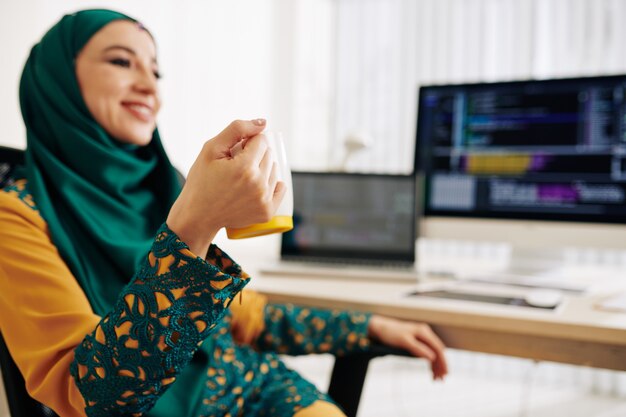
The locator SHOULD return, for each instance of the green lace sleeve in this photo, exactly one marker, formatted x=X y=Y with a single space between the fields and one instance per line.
x=296 y=330
x=161 y=317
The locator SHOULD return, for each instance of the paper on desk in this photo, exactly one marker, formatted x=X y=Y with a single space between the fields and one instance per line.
x=614 y=303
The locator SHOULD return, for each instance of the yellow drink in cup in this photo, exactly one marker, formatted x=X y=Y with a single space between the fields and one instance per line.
x=283 y=218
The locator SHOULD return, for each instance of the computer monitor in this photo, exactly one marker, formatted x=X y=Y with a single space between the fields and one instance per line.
x=538 y=163
x=353 y=218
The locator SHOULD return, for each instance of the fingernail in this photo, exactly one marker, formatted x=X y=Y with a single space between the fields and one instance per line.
x=259 y=122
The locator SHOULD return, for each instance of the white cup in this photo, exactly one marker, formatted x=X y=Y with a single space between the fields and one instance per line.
x=282 y=221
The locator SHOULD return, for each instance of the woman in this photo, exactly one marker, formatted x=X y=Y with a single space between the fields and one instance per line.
x=113 y=301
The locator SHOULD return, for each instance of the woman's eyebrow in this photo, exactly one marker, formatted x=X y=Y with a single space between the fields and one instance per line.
x=127 y=49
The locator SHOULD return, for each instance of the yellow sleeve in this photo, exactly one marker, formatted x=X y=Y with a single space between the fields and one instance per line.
x=44 y=313
x=248 y=317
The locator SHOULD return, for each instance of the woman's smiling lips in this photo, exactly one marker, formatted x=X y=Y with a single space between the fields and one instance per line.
x=140 y=110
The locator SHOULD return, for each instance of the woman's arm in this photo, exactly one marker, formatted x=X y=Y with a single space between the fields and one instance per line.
x=176 y=298
x=293 y=330
x=298 y=330
x=44 y=314
x=128 y=357
x=161 y=317
x=133 y=353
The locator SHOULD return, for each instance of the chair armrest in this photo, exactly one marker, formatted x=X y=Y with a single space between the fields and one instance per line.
x=348 y=376
x=9 y=159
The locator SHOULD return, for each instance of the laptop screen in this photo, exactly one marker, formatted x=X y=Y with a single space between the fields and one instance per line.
x=349 y=216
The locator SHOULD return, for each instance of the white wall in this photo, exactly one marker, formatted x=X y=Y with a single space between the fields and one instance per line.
x=216 y=58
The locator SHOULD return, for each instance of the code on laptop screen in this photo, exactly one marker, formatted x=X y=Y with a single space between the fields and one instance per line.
x=347 y=215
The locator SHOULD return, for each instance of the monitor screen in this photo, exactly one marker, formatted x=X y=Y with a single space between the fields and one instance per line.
x=543 y=149
x=352 y=216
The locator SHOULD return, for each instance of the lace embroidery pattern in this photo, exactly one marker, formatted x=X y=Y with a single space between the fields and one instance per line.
x=297 y=330
x=161 y=317
x=19 y=189
x=242 y=381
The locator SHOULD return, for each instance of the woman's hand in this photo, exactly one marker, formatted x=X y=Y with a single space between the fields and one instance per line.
x=416 y=338
x=225 y=189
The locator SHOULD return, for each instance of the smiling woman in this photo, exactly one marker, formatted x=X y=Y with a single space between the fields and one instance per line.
x=117 y=73
x=126 y=307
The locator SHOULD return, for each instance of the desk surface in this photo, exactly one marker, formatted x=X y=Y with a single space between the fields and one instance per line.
x=576 y=332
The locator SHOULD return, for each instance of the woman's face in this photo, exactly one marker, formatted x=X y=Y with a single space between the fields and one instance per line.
x=117 y=74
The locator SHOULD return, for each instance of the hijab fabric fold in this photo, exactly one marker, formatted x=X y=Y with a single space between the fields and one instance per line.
x=102 y=200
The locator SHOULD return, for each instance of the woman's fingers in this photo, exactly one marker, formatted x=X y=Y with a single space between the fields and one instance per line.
x=238 y=130
x=268 y=168
x=254 y=150
x=416 y=338
x=266 y=165
x=232 y=140
x=273 y=177
x=427 y=336
x=439 y=368
x=422 y=350
x=236 y=149
x=279 y=193
x=436 y=357
x=431 y=337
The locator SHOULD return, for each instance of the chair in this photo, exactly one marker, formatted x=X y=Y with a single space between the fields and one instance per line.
x=348 y=376
x=346 y=383
x=9 y=158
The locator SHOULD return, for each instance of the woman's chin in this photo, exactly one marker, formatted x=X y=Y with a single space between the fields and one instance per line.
x=135 y=138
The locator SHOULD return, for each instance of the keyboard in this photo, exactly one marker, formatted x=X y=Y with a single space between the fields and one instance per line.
x=344 y=269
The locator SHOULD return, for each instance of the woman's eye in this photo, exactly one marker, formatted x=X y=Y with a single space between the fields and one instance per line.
x=120 y=62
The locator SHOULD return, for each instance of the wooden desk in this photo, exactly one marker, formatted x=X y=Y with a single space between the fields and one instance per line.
x=575 y=333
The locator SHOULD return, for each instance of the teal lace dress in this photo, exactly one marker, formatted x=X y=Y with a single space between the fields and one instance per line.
x=174 y=310
x=177 y=302
x=166 y=312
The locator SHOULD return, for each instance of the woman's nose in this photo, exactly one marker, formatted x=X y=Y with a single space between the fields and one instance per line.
x=146 y=81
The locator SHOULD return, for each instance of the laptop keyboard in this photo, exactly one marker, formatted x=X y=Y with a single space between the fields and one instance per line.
x=344 y=268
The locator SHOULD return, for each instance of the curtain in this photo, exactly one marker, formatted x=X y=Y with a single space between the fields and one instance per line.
x=359 y=64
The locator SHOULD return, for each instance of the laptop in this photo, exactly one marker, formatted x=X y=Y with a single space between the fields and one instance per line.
x=351 y=225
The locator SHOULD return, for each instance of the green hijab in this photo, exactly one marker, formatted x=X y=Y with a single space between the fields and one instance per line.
x=102 y=200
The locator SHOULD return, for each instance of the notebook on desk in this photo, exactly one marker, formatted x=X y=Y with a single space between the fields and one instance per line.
x=350 y=225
